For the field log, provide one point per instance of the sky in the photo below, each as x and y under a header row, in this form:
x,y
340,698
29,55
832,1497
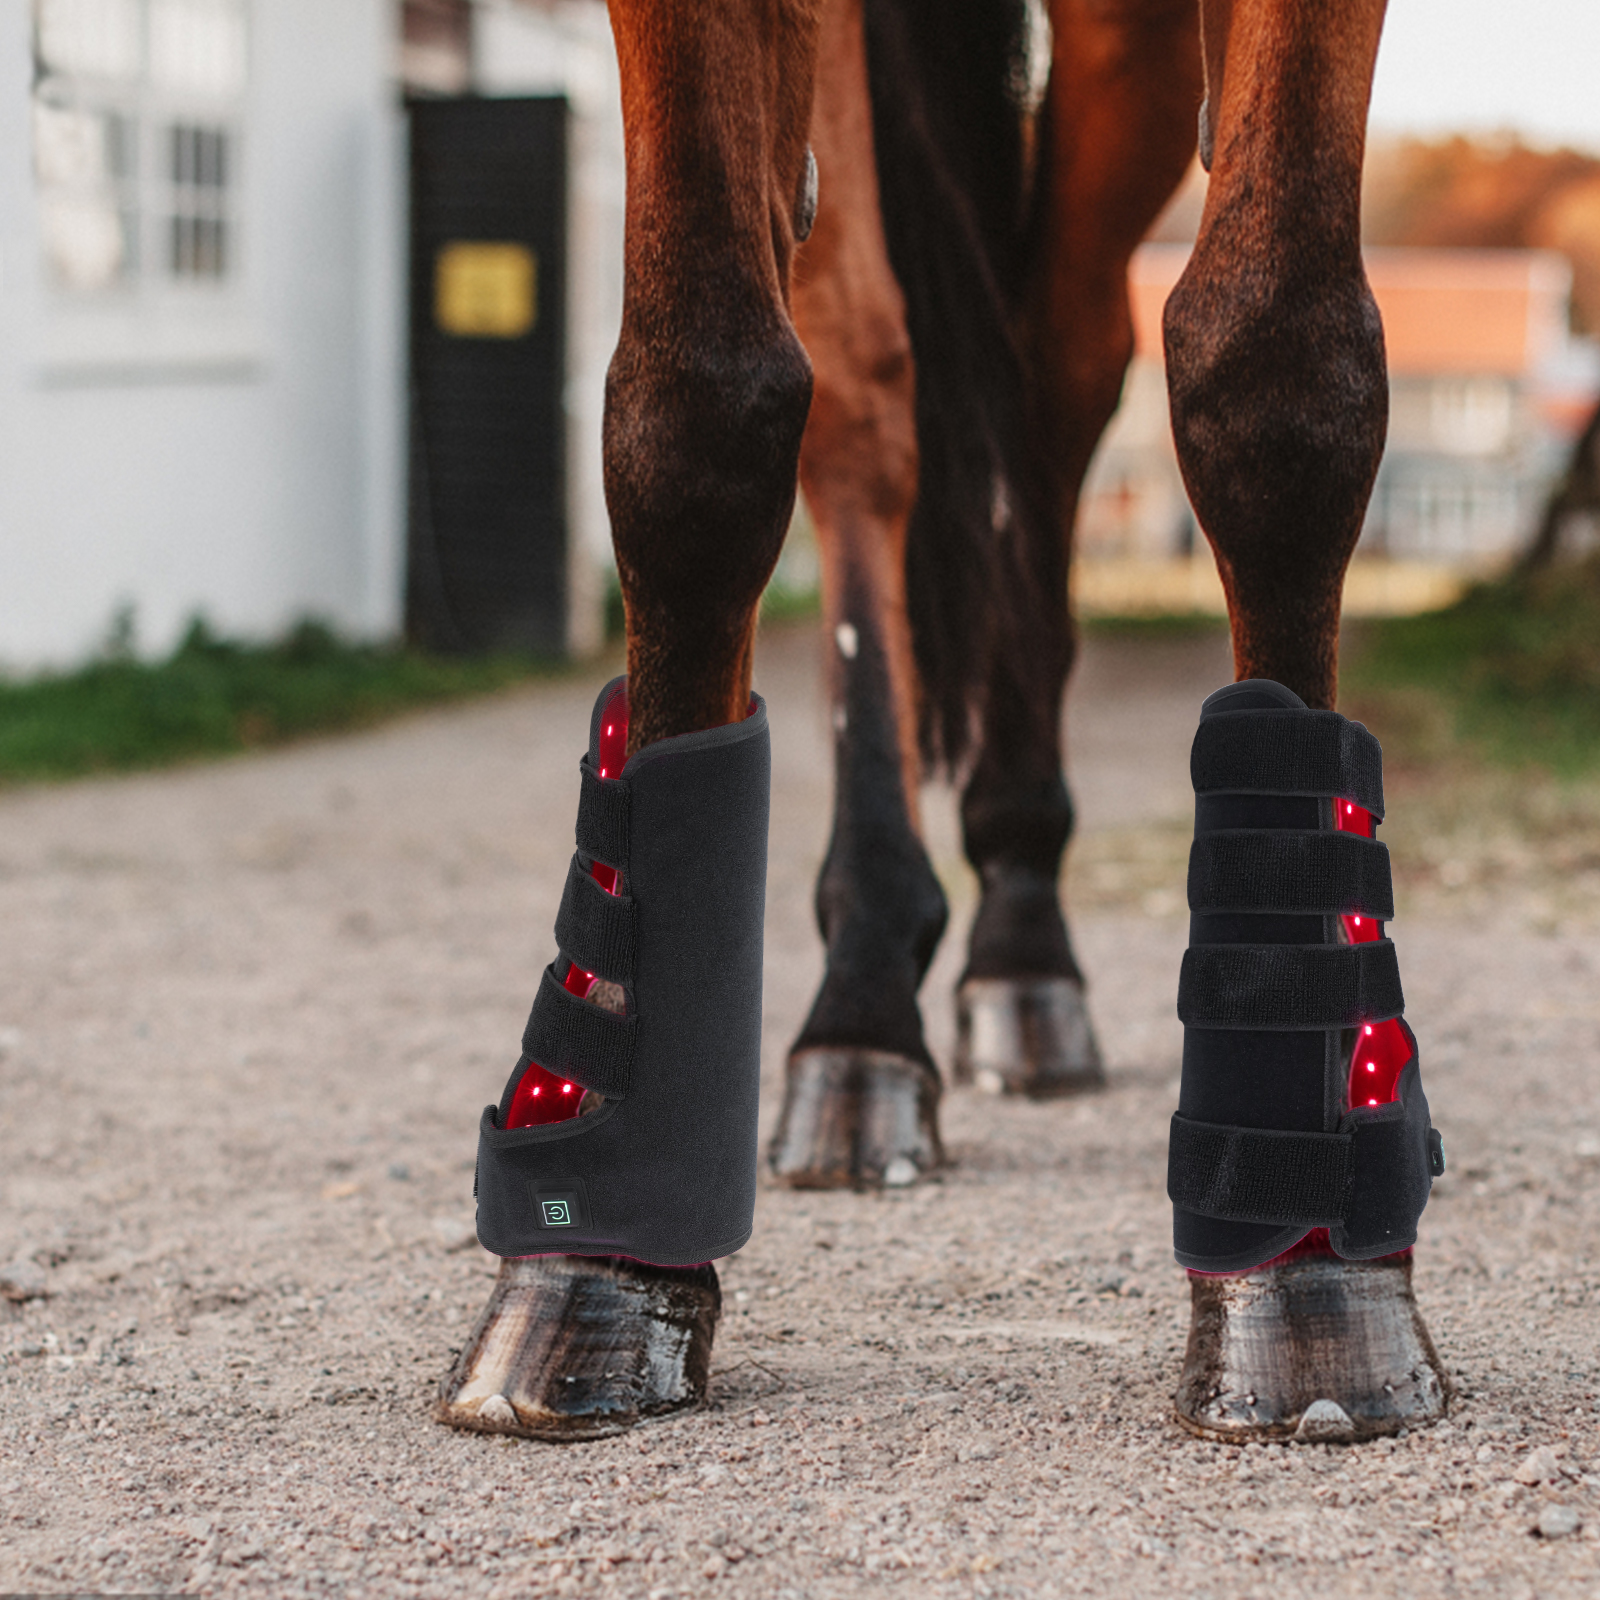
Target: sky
x,y
1531,66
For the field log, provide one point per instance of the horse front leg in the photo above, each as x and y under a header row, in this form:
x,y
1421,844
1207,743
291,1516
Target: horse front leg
x,y
1302,1152
861,1090
654,1007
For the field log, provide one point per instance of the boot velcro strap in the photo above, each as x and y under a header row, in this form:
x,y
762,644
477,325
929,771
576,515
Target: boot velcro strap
x,y
603,807
1288,752
1259,1174
595,929
1289,987
576,1040
1267,869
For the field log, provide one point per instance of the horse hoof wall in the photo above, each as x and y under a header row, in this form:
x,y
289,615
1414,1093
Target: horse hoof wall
x,y
856,1119
1028,1036
1314,1349
579,1347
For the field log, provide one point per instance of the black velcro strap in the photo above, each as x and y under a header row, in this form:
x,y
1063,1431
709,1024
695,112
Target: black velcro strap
x,y
1259,1174
595,929
1279,869
576,1040
603,819
1289,987
1287,752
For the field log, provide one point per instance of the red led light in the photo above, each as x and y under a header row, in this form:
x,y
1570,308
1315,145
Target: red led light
x,y
1382,1048
524,1113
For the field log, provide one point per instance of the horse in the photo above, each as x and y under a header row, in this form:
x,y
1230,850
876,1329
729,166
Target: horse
x,y
870,252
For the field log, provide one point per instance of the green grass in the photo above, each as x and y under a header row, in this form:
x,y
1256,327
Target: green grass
x,y
213,697
1511,671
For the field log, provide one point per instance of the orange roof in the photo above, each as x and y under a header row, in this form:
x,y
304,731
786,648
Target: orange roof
x,y
1479,311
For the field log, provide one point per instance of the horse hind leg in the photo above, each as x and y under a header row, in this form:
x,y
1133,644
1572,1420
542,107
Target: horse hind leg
x,y
1116,135
1276,373
861,1095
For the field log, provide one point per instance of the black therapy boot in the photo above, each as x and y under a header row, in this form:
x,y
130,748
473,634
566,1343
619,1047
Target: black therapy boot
x,y
621,1160
1301,1154
663,1167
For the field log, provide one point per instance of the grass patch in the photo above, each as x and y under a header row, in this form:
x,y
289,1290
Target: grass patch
x,y
1511,672
214,697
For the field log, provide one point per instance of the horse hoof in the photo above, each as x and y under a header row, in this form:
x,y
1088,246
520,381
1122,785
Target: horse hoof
x,y
579,1347
1311,1348
856,1119
1026,1036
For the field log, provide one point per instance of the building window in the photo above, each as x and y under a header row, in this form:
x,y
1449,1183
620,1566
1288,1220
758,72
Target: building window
x,y
137,106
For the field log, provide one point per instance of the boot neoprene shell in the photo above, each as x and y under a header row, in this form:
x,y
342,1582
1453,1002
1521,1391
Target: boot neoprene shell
x,y
665,1170
1264,1146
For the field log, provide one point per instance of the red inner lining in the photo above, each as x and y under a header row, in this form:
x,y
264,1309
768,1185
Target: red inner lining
x,y
541,1096
1382,1048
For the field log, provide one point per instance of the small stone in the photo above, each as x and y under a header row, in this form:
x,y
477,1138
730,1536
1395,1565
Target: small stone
x,y
499,1411
453,1234
1325,1422
714,1567
988,1081
1556,1522
400,1172
900,1172
22,1280
1538,1466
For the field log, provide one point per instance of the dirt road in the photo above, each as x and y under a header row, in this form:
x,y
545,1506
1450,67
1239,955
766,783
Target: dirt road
x,y
249,1014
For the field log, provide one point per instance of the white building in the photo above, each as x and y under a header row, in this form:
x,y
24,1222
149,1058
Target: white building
x,y
1487,390
203,306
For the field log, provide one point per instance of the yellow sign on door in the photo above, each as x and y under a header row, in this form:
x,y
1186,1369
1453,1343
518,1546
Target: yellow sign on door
x,y
486,289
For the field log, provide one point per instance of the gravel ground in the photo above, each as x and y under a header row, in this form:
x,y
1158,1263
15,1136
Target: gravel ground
x,y
249,1013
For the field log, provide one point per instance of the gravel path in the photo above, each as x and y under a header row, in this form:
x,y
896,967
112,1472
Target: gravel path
x,y
249,1013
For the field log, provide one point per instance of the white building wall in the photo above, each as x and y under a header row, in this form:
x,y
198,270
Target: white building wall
x,y
565,47
242,459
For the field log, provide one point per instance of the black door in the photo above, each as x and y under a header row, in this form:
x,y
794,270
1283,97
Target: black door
x,y
487,536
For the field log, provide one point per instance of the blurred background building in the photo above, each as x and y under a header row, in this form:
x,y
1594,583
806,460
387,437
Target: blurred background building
x,y
305,308
204,344
1488,388
1484,258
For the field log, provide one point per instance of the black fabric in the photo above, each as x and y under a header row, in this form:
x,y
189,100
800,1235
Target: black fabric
x,y
1270,751
604,817
1252,869
1289,987
1393,1171
1258,1174
577,1040
1263,1147
667,1172
594,928
1255,1080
